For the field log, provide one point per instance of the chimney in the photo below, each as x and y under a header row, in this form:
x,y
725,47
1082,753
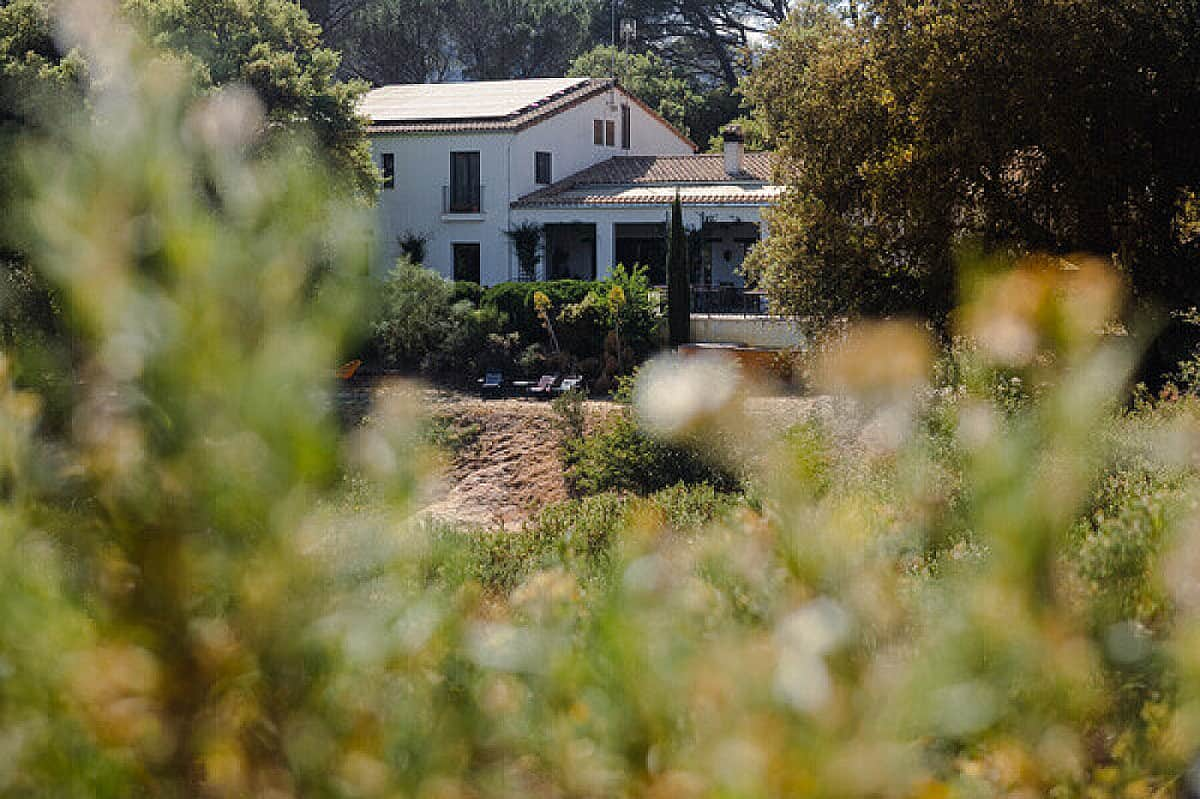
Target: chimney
x,y
734,149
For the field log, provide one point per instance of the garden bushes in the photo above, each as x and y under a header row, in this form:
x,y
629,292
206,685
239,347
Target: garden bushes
x,y
516,301
450,330
580,535
427,324
582,313
620,456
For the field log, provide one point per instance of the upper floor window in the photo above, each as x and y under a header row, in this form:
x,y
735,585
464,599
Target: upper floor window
x,y
610,133
389,170
598,133
625,127
464,183
543,168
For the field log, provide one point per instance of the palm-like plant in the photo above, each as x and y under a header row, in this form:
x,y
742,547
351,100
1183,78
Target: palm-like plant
x,y
527,241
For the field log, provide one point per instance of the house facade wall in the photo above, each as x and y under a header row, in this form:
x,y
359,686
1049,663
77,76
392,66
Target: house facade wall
x,y
569,137
607,218
422,170
415,205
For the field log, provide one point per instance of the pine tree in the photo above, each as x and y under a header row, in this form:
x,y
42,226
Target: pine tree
x,y
679,292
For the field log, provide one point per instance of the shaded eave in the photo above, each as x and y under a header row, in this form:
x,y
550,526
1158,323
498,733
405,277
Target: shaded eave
x,y
603,205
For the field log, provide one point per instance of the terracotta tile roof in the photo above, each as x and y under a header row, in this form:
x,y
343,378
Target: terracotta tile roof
x,y
653,179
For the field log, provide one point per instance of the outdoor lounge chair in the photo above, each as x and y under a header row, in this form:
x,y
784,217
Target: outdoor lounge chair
x,y
492,385
573,383
544,387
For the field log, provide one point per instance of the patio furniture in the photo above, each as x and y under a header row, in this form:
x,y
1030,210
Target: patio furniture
x,y
573,383
492,385
544,386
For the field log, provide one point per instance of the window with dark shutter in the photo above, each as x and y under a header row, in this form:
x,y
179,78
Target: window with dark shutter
x,y
543,168
389,171
598,133
464,183
625,127
610,133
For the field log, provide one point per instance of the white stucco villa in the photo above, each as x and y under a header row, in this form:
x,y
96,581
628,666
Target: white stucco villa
x,y
582,158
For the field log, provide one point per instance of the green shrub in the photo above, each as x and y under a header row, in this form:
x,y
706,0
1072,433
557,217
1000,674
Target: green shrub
x,y
475,341
430,325
452,433
515,300
579,535
456,330
569,411
640,315
414,315
622,457
582,326
584,319
466,290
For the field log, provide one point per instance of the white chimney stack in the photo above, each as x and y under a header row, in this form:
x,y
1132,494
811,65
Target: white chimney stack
x,y
735,146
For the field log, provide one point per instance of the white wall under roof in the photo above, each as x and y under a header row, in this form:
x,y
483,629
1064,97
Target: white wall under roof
x,y
506,172
568,136
415,205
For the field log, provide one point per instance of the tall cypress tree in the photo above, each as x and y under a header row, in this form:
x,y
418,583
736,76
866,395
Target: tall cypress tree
x,y
679,291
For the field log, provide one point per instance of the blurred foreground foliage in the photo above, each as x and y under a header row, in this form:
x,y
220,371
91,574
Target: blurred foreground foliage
x,y
990,591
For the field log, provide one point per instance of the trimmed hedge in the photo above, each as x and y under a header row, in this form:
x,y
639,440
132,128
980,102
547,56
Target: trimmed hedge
x,y
515,300
458,330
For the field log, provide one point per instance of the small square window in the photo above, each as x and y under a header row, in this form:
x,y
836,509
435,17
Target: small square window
x,y
598,132
389,170
610,133
543,168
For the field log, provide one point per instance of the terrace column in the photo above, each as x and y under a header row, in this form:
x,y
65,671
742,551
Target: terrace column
x,y
605,249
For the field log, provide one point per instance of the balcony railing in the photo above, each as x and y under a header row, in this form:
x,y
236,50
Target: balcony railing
x,y
469,202
728,300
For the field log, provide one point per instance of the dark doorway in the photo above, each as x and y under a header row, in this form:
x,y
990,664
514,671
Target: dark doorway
x,y
643,244
726,245
466,262
571,252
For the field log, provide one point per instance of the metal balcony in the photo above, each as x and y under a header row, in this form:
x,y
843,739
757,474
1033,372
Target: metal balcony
x,y
728,300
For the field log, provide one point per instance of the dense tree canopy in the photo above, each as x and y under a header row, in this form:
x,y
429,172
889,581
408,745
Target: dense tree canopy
x,y
909,128
704,44
648,77
708,39
393,41
498,39
33,69
415,41
268,45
